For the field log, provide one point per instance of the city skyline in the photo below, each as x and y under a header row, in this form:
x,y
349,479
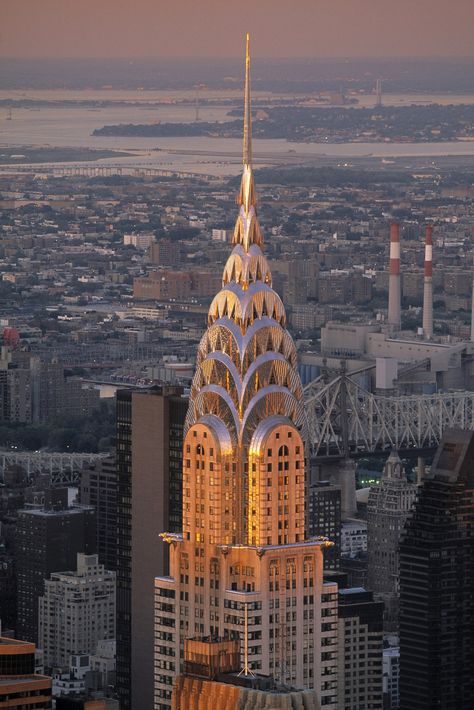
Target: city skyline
x,y
118,28
202,375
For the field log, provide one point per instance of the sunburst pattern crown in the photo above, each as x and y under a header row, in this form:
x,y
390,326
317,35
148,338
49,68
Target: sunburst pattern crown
x,y
246,364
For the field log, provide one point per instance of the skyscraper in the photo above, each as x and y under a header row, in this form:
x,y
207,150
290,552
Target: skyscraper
x,y
48,540
437,584
360,650
149,469
388,507
99,489
241,567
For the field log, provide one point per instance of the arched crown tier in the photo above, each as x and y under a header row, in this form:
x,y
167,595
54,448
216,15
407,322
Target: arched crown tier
x,y
246,364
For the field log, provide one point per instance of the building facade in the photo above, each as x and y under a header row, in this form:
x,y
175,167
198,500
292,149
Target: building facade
x,y
391,678
437,584
353,538
76,611
99,489
149,473
388,507
241,567
360,623
323,505
49,537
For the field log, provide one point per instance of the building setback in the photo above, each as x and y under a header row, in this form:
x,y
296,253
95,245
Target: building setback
x,y
149,469
212,678
437,584
48,540
76,611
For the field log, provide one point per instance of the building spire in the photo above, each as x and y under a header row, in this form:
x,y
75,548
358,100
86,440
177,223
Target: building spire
x,y
247,148
246,198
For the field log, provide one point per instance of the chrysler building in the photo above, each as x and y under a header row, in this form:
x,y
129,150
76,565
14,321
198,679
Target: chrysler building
x,y
242,568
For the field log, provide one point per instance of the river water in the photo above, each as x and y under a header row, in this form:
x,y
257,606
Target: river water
x,y
73,126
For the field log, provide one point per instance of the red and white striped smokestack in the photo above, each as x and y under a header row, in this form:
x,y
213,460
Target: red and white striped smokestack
x,y
394,289
428,284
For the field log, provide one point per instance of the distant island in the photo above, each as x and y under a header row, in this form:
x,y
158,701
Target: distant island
x,y
311,124
228,129
28,154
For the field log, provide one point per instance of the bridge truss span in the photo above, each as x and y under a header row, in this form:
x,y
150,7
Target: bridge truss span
x,y
345,419
63,468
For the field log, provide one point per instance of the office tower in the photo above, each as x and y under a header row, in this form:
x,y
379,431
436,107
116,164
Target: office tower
x,y
149,469
241,567
360,650
324,518
99,489
388,507
76,611
211,678
20,686
48,540
428,284
394,287
437,584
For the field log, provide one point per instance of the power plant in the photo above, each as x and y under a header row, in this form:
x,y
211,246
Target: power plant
x,y
374,387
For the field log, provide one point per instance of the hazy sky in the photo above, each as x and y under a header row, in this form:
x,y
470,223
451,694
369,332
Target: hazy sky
x,y
279,28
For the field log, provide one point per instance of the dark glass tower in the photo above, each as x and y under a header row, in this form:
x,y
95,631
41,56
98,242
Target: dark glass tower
x,y
437,584
48,540
99,489
149,475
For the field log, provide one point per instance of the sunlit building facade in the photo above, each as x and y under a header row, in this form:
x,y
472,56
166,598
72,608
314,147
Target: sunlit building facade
x,y
241,568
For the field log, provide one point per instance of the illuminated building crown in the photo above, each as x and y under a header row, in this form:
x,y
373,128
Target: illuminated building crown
x,y
246,371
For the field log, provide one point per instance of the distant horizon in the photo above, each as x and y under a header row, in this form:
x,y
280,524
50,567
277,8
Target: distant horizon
x,y
399,74
238,58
